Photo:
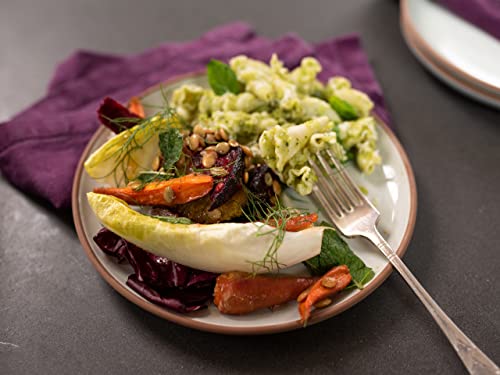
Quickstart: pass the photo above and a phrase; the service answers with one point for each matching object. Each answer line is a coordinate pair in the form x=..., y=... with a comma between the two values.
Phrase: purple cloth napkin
x=484, y=14
x=40, y=147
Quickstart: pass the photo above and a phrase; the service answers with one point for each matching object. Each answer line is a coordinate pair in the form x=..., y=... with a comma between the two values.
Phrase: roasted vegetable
x=135, y=106
x=112, y=115
x=332, y=282
x=199, y=210
x=164, y=193
x=241, y=293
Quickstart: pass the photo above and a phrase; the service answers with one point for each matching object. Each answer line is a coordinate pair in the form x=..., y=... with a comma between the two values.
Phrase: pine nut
x=193, y=142
x=210, y=138
x=209, y=158
x=222, y=148
x=248, y=162
x=169, y=194
x=233, y=143
x=223, y=134
x=200, y=140
x=198, y=129
x=247, y=151
x=134, y=184
x=268, y=179
x=329, y=282
x=302, y=296
x=323, y=303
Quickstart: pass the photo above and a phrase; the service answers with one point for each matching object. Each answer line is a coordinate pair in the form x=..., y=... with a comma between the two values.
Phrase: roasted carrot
x=297, y=223
x=241, y=293
x=330, y=283
x=135, y=106
x=164, y=193
x=300, y=222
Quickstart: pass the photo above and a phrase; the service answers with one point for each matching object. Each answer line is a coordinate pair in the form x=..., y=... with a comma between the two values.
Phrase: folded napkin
x=40, y=147
x=484, y=14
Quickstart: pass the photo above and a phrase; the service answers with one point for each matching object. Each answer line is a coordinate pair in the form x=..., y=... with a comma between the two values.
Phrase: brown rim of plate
x=185, y=320
x=413, y=43
x=438, y=58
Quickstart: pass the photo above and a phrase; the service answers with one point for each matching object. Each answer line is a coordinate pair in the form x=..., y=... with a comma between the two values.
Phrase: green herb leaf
x=335, y=251
x=222, y=78
x=170, y=147
x=173, y=219
x=346, y=111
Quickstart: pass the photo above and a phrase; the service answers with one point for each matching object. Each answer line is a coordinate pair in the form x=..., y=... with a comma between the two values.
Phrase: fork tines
x=335, y=189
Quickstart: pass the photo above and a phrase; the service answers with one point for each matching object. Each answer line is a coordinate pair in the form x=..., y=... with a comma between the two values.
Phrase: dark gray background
x=58, y=316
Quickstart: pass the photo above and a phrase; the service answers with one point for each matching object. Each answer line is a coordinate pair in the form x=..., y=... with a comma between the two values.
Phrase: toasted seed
x=223, y=134
x=133, y=184
x=199, y=130
x=276, y=187
x=193, y=142
x=209, y=131
x=268, y=179
x=248, y=162
x=210, y=138
x=209, y=158
x=217, y=135
x=209, y=148
x=218, y=171
x=302, y=296
x=156, y=163
x=247, y=151
x=245, y=177
x=233, y=143
x=222, y=148
x=329, y=282
x=169, y=194
x=201, y=140
x=215, y=214
x=323, y=303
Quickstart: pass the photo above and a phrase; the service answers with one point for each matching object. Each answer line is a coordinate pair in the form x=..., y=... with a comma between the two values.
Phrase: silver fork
x=354, y=215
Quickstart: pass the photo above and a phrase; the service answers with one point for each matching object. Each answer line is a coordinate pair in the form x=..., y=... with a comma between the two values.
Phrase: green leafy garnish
x=334, y=252
x=173, y=219
x=170, y=147
x=346, y=111
x=222, y=79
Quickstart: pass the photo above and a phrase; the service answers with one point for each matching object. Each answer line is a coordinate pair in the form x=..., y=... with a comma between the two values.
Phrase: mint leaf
x=170, y=147
x=346, y=111
x=335, y=251
x=222, y=78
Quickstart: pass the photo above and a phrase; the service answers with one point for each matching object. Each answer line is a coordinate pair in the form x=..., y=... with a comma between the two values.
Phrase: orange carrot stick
x=331, y=283
x=135, y=106
x=164, y=193
x=297, y=223
x=242, y=293
x=300, y=222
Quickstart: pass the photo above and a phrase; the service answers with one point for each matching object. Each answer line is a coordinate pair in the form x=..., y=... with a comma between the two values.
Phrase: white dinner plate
x=391, y=187
x=457, y=82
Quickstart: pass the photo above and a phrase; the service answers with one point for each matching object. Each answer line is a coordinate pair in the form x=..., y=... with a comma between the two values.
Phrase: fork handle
x=473, y=358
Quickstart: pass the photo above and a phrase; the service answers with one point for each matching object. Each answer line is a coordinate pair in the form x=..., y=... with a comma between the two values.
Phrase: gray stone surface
x=58, y=316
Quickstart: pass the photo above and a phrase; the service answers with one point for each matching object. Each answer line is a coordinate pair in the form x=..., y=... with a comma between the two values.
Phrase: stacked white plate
x=457, y=52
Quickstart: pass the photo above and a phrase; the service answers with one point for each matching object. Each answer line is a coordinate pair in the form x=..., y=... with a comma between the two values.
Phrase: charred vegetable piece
x=135, y=106
x=260, y=182
x=299, y=222
x=224, y=189
x=164, y=193
x=158, y=279
x=241, y=293
x=110, y=110
x=335, y=280
x=199, y=210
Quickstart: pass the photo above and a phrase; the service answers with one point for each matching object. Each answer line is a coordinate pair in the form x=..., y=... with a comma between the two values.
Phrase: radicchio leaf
x=110, y=110
x=158, y=279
